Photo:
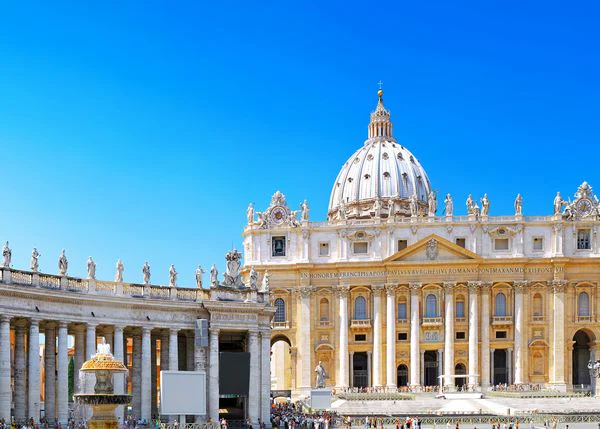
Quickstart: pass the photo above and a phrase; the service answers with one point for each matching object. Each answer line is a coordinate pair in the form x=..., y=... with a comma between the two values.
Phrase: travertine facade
x=388, y=294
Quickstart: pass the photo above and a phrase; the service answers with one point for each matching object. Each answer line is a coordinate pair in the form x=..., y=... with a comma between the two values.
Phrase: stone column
x=509, y=365
x=414, y=334
x=390, y=362
x=50, y=372
x=440, y=360
x=189, y=351
x=369, y=368
x=305, y=349
x=351, y=360
x=90, y=350
x=136, y=376
x=492, y=366
x=5, y=390
x=254, y=399
x=213, y=375
x=265, y=356
x=473, y=337
x=485, y=334
x=449, y=334
x=79, y=357
x=377, y=334
x=62, y=378
x=519, y=330
x=173, y=350
x=153, y=376
x=146, y=374
x=33, y=403
x=119, y=379
x=422, y=363
x=20, y=372
x=342, y=292
x=558, y=335
x=164, y=351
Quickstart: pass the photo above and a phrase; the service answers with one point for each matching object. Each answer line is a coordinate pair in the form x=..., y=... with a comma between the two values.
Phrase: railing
x=402, y=321
x=461, y=319
x=77, y=285
x=501, y=320
x=49, y=281
x=159, y=292
x=21, y=278
x=537, y=318
x=105, y=288
x=176, y=425
x=186, y=294
x=432, y=321
x=133, y=290
x=324, y=323
x=280, y=325
x=581, y=319
x=360, y=323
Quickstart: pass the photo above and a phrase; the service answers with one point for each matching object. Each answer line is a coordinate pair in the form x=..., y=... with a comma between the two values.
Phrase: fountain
x=103, y=401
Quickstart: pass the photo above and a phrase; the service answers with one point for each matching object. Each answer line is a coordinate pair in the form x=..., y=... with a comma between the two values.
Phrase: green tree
x=71, y=379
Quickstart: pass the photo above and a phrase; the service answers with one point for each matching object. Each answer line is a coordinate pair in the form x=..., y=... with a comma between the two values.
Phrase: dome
x=380, y=178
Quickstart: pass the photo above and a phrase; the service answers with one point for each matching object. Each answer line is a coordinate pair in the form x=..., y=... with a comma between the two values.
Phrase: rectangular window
x=501, y=334
x=538, y=243
x=278, y=246
x=501, y=244
x=360, y=337
x=460, y=309
x=460, y=335
x=402, y=311
x=402, y=244
x=462, y=242
x=583, y=239
x=402, y=336
x=360, y=248
x=324, y=249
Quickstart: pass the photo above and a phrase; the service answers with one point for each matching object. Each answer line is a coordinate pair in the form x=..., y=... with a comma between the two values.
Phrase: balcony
x=584, y=319
x=324, y=324
x=537, y=318
x=461, y=320
x=431, y=321
x=280, y=325
x=360, y=323
x=502, y=320
x=402, y=321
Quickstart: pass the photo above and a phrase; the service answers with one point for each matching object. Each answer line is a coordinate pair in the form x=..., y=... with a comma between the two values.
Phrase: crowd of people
x=292, y=416
x=517, y=387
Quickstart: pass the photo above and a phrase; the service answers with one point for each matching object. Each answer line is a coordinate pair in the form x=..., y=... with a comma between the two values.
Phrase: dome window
x=400, y=156
x=350, y=179
x=386, y=175
x=385, y=155
x=412, y=159
x=356, y=160
x=367, y=176
x=370, y=157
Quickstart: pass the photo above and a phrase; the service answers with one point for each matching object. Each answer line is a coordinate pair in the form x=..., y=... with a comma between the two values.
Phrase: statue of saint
x=119, y=273
x=485, y=205
x=199, y=272
x=253, y=279
x=414, y=206
x=250, y=213
x=377, y=207
x=35, y=264
x=342, y=210
x=91, y=268
x=214, y=273
x=558, y=203
x=449, y=205
x=519, y=205
x=172, y=276
x=470, y=205
x=432, y=204
x=7, y=253
x=146, y=273
x=320, y=376
x=265, y=282
x=305, y=211
x=63, y=264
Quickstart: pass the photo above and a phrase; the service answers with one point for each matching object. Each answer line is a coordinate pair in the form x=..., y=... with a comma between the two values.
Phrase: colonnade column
x=20, y=372
x=153, y=376
x=254, y=399
x=33, y=403
x=305, y=348
x=90, y=350
x=49, y=372
x=342, y=292
x=369, y=366
x=492, y=366
x=519, y=330
x=62, y=379
x=390, y=363
x=5, y=391
x=473, y=334
x=351, y=359
x=79, y=357
x=414, y=334
x=173, y=350
x=265, y=355
x=213, y=375
x=377, y=334
x=449, y=334
x=485, y=334
x=509, y=365
x=146, y=373
x=558, y=335
x=136, y=382
x=164, y=351
x=119, y=378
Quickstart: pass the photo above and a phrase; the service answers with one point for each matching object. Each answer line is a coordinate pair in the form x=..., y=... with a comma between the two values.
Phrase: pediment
x=433, y=248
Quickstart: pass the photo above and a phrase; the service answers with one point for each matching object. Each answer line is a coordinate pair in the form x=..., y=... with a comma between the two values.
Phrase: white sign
x=183, y=393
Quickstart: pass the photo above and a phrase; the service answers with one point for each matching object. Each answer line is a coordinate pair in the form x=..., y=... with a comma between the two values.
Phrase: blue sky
x=142, y=131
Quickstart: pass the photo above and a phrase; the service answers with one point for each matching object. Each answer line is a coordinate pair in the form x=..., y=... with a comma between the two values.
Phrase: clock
x=278, y=215
x=584, y=207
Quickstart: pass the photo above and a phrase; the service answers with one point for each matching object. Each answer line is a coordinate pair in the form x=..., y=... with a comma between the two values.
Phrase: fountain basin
x=102, y=399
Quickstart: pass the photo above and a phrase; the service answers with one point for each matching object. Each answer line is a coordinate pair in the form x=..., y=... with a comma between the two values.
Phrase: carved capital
x=519, y=285
x=305, y=291
x=414, y=287
x=474, y=286
x=377, y=288
x=390, y=289
x=449, y=286
x=558, y=285
x=486, y=286
x=342, y=291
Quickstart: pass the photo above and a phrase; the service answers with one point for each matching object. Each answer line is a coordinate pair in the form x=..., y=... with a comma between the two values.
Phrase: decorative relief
x=519, y=285
x=414, y=287
x=342, y=291
x=432, y=336
x=503, y=231
x=558, y=285
x=360, y=235
x=432, y=251
x=449, y=286
x=305, y=291
x=474, y=286
x=390, y=289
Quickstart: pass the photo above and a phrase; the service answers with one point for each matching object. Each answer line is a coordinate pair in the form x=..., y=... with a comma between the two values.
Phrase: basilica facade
x=394, y=291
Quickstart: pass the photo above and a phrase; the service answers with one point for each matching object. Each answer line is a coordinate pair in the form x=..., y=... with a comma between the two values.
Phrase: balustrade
x=360, y=323
x=21, y=278
x=49, y=281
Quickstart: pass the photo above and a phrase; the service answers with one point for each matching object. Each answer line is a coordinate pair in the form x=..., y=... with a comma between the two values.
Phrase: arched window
x=538, y=309
x=431, y=306
x=500, y=304
x=460, y=306
x=583, y=308
x=324, y=310
x=360, y=308
x=279, y=310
